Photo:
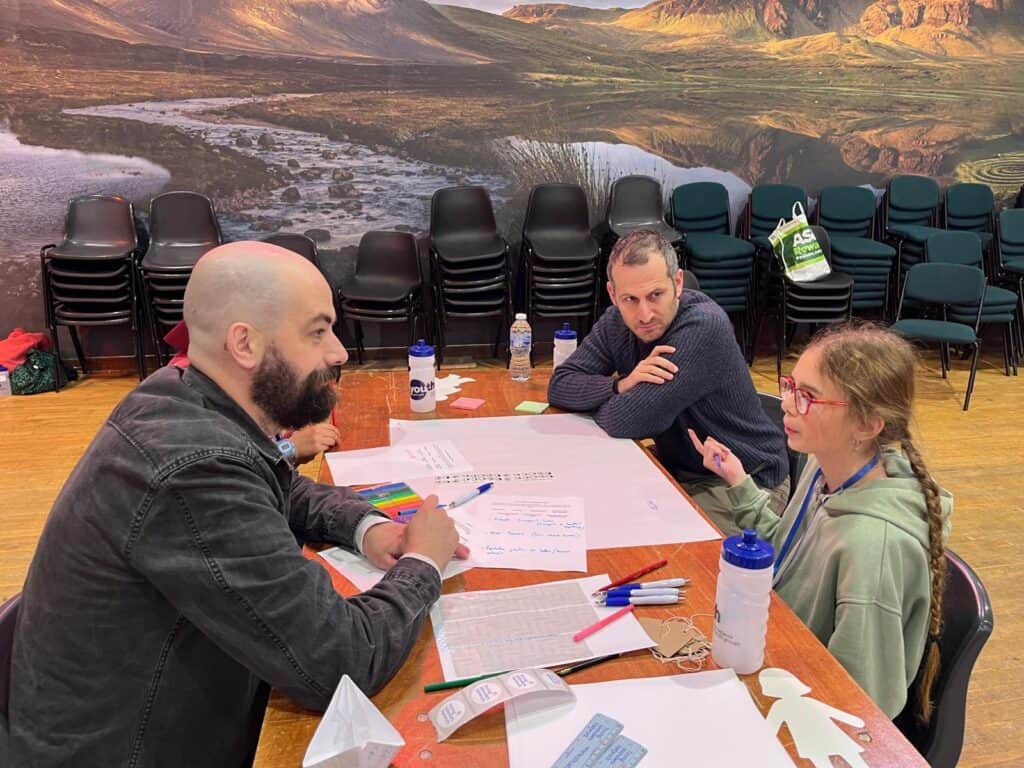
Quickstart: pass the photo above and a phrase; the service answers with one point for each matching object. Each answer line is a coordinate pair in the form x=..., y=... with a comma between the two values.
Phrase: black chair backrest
x=966, y=625
x=8, y=616
x=182, y=218
x=300, y=244
x=390, y=255
x=635, y=200
x=462, y=211
x=556, y=208
x=772, y=405
x=101, y=220
x=690, y=280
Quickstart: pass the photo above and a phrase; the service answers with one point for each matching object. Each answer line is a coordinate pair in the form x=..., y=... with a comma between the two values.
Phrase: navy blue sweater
x=712, y=393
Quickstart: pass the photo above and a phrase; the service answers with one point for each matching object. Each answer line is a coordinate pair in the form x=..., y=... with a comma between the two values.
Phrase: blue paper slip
x=623, y=753
x=592, y=742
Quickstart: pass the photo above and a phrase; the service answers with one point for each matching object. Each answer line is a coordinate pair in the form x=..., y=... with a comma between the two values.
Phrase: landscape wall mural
x=332, y=117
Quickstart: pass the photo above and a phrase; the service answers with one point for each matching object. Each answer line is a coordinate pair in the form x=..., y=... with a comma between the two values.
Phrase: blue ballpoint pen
x=470, y=496
x=651, y=584
x=656, y=592
x=617, y=600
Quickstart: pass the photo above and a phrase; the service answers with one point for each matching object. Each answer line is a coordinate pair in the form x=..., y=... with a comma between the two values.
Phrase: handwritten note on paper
x=530, y=533
x=400, y=462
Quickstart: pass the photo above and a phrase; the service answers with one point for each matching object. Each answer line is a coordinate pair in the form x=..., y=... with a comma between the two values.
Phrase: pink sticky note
x=468, y=403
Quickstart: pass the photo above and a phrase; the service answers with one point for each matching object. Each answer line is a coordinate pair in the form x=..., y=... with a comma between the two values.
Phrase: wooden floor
x=978, y=455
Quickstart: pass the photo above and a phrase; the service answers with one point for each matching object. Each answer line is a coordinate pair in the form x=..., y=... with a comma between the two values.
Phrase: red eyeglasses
x=802, y=399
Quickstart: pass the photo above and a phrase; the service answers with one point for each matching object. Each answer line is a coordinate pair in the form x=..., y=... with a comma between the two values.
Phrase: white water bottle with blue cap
x=741, y=603
x=565, y=344
x=421, y=377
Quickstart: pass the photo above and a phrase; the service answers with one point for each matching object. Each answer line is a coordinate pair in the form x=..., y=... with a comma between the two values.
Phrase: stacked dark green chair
x=767, y=204
x=971, y=207
x=911, y=214
x=1000, y=304
x=723, y=264
x=1008, y=259
x=944, y=287
x=848, y=215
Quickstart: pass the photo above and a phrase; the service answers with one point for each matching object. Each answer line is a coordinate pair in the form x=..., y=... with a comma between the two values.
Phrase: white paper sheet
x=529, y=533
x=700, y=720
x=364, y=575
x=352, y=733
x=394, y=463
x=628, y=501
x=498, y=630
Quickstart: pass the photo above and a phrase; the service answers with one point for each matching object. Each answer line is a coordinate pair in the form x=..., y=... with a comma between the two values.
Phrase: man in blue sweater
x=662, y=360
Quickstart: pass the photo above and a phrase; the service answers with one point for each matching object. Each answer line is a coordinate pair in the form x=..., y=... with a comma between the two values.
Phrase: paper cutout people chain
x=449, y=385
x=810, y=724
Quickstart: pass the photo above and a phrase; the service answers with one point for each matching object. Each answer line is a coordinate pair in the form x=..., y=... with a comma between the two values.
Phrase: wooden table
x=367, y=401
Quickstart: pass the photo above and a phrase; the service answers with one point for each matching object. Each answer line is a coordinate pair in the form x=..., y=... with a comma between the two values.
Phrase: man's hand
x=653, y=369
x=311, y=440
x=430, y=533
x=719, y=459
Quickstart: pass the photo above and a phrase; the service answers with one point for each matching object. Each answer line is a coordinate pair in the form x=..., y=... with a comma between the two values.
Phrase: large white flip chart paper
x=697, y=720
x=628, y=502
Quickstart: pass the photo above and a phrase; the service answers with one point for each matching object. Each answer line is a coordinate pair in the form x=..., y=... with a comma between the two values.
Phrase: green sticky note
x=531, y=406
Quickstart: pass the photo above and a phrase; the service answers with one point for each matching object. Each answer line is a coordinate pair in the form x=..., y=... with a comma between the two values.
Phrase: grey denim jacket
x=168, y=592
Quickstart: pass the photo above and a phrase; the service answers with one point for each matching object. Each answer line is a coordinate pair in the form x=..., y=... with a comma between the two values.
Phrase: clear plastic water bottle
x=741, y=602
x=520, y=341
x=422, y=398
x=565, y=344
x=5, y=382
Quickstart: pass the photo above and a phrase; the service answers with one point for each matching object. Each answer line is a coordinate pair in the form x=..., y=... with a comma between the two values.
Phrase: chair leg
x=359, y=340
x=58, y=373
x=970, y=381
x=780, y=346
x=1006, y=349
x=77, y=344
x=943, y=358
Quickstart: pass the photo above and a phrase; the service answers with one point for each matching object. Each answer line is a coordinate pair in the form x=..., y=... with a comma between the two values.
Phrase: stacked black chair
x=89, y=278
x=182, y=227
x=296, y=243
x=723, y=264
x=387, y=286
x=967, y=623
x=637, y=202
x=825, y=301
x=767, y=205
x=848, y=215
x=468, y=261
x=560, y=257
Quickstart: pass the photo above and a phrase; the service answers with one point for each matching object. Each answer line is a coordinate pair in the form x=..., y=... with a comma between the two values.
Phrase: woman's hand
x=719, y=459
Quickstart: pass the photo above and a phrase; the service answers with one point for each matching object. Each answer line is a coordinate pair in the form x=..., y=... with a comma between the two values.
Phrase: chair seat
x=88, y=251
x=833, y=282
x=164, y=257
x=716, y=247
x=375, y=288
x=861, y=248
x=762, y=242
x=935, y=330
x=915, y=233
x=565, y=247
x=1016, y=266
x=470, y=248
x=623, y=228
x=85, y=315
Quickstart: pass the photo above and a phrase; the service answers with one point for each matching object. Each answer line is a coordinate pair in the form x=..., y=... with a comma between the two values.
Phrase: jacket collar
x=223, y=403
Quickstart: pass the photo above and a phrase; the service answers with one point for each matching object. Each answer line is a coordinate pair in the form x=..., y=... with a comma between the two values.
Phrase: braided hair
x=875, y=368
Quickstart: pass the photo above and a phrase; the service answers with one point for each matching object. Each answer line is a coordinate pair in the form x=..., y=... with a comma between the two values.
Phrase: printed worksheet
x=397, y=462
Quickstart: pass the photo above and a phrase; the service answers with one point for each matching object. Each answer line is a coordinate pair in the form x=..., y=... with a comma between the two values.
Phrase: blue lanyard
x=854, y=479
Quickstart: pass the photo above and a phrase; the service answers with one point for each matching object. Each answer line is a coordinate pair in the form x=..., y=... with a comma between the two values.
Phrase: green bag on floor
x=798, y=249
x=36, y=374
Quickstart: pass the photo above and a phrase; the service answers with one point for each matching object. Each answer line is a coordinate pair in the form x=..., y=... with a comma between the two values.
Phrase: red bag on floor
x=15, y=348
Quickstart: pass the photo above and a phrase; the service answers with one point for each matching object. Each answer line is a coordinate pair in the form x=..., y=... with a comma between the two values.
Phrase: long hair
x=875, y=369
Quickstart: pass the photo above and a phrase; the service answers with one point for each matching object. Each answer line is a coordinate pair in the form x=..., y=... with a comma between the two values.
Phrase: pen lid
x=748, y=551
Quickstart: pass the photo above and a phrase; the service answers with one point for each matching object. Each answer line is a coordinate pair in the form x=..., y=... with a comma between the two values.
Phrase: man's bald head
x=246, y=282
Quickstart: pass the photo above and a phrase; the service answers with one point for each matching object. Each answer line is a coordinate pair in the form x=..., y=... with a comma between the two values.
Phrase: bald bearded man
x=168, y=591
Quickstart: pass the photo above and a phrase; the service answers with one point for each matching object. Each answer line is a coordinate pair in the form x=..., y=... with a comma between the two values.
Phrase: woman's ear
x=868, y=429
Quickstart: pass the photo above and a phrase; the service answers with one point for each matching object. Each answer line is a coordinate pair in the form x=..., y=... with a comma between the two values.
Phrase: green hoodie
x=857, y=573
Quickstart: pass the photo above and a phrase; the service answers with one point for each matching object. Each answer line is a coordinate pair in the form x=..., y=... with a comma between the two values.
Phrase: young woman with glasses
x=859, y=549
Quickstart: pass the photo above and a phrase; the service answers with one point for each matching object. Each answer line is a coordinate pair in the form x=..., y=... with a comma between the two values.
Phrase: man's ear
x=611, y=290
x=679, y=283
x=245, y=345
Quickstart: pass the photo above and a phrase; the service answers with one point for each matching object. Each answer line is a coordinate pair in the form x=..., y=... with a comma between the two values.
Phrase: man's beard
x=289, y=403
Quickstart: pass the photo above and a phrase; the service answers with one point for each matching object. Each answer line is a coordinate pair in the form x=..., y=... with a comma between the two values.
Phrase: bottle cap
x=421, y=349
x=748, y=551
x=520, y=315
x=565, y=333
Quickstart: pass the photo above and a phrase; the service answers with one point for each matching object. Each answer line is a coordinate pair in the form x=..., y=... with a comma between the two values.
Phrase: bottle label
x=521, y=339
x=419, y=390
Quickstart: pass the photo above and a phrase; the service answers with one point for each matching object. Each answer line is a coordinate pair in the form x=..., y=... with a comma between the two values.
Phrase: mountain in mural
x=937, y=26
x=410, y=30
